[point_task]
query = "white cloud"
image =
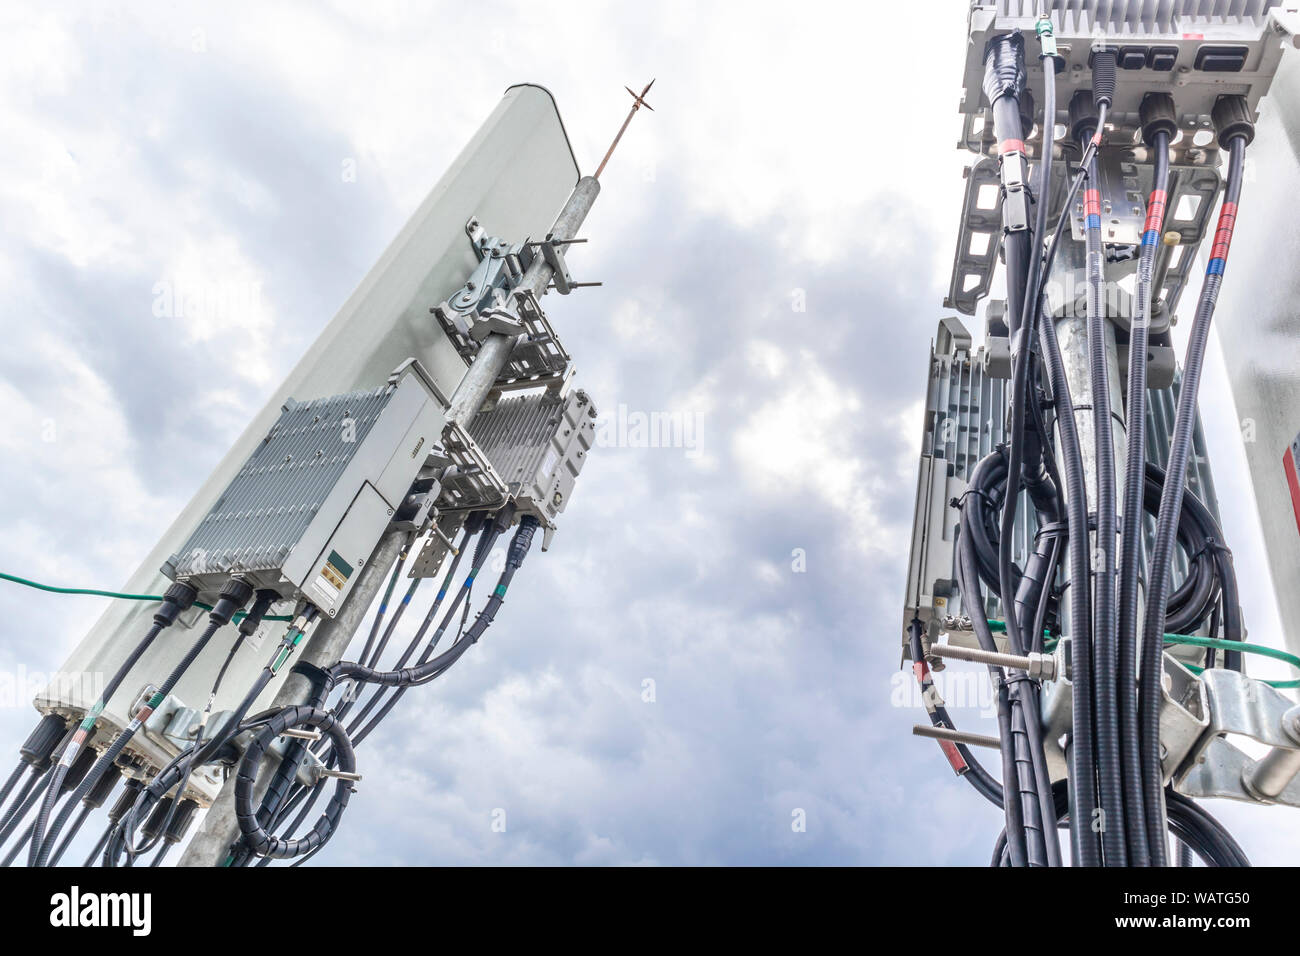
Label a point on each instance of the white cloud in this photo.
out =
(802, 440)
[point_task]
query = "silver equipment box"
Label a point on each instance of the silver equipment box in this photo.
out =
(1195, 50)
(311, 502)
(965, 411)
(537, 444)
(527, 450)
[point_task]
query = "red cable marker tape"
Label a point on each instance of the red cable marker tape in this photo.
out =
(1293, 482)
(955, 760)
(1223, 235)
(1155, 210)
(1091, 202)
(950, 751)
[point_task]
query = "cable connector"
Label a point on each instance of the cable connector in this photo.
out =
(1015, 200)
(82, 762)
(474, 523)
(39, 747)
(1083, 116)
(522, 541)
(98, 794)
(177, 599)
(180, 823)
(1004, 66)
(233, 597)
(1046, 38)
(1158, 115)
(504, 518)
(299, 630)
(1103, 62)
(1013, 168)
(1232, 117)
(253, 619)
(125, 800)
(154, 824)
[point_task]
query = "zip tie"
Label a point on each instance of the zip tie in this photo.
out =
(960, 500)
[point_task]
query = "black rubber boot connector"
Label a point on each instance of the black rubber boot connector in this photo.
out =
(265, 598)
(1004, 66)
(178, 598)
(1232, 118)
(41, 743)
(97, 794)
(175, 831)
(1083, 116)
(233, 597)
(1102, 61)
(1158, 115)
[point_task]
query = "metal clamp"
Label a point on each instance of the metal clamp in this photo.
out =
(553, 252)
(493, 321)
(491, 302)
(1250, 708)
(436, 547)
(1184, 715)
(468, 480)
(172, 721)
(480, 306)
(1013, 172)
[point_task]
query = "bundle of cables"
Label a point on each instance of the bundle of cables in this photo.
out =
(332, 752)
(1115, 799)
(61, 766)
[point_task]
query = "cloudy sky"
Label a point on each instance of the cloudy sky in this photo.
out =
(755, 577)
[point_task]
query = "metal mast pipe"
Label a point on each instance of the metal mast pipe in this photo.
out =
(495, 350)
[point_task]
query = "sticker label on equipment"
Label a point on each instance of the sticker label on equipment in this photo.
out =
(550, 461)
(332, 577)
